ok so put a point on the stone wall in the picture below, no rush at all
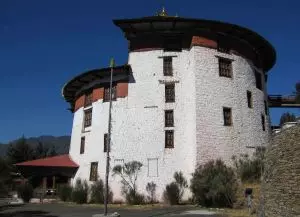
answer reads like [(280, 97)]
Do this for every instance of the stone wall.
[(281, 188)]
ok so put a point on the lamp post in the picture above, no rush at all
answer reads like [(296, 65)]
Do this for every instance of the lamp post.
[(112, 64)]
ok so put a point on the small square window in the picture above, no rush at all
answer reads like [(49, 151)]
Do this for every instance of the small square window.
[(106, 97), (88, 100), (249, 99), (153, 167), (227, 116), (82, 145), (168, 68), (169, 139), (225, 67), (88, 118), (170, 92), (94, 171), (169, 118)]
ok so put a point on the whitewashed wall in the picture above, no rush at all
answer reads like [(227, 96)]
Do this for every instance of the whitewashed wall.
[(199, 134)]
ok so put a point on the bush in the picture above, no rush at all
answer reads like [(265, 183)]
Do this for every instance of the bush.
[(151, 189), (98, 193), (250, 170), (65, 192), (25, 191), (134, 198), (80, 192), (214, 185), (174, 191)]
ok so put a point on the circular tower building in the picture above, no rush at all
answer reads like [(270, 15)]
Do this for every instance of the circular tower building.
[(193, 90)]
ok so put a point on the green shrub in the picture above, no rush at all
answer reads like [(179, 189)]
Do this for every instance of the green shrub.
[(134, 198), (25, 191), (151, 189), (80, 192), (65, 192), (175, 190), (172, 193), (98, 193), (250, 169), (214, 185)]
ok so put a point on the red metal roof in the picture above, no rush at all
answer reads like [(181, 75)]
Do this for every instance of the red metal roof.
[(56, 161)]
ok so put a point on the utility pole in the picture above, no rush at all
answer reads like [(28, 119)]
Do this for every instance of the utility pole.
[(112, 64)]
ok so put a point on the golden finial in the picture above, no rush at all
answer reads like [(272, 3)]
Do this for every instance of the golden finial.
[(163, 13)]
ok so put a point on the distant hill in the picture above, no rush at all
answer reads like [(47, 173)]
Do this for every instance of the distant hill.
[(61, 143)]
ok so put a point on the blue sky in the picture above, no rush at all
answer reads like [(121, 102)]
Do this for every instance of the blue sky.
[(45, 43)]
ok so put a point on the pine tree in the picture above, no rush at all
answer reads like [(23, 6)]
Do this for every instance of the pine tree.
[(20, 151), (287, 117)]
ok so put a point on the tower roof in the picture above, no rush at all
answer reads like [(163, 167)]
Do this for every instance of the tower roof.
[(165, 26)]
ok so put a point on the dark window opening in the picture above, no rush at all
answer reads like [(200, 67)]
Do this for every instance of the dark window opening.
[(88, 99), (107, 93), (82, 145), (225, 67), (249, 99), (105, 142), (258, 80), (169, 118), (263, 122), (94, 171), (169, 139), (168, 68), (88, 118), (227, 116), (170, 92)]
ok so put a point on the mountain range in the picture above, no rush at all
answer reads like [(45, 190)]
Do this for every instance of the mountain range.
[(61, 143)]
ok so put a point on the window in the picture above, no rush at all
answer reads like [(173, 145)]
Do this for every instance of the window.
[(168, 68), (82, 145), (152, 167), (119, 162), (263, 122), (222, 47), (225, 67), (105, 142), (266, 108), (258, 80), (227, 116), (88, 99), (88, 118), (170, 92), (94, 171), (107, 93), (249, 99), (169, 118), (169, 139)]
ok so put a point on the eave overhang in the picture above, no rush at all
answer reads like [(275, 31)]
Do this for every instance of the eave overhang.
[(165, 25)]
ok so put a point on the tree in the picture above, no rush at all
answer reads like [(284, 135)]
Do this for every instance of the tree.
[(41, 150), (52, 151), (181, 182), (129, 174), (214, 185), (21, 151), (287, 117), (5, 170)]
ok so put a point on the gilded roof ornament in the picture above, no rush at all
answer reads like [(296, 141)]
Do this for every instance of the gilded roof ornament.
[(163, 13)]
